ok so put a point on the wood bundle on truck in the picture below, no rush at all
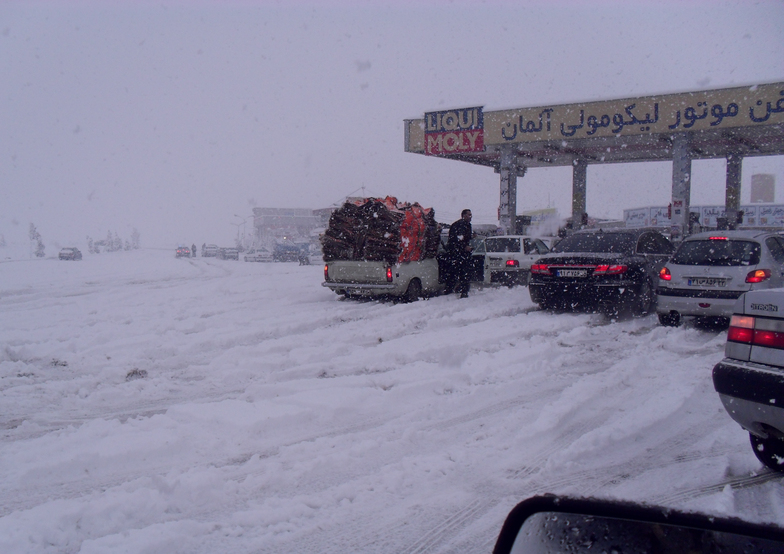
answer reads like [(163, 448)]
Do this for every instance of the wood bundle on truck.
[(381, 247)]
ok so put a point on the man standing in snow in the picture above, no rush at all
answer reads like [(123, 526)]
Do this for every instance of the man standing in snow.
[(458, 247)]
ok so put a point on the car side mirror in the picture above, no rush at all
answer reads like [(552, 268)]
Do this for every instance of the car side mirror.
[(551, 524)]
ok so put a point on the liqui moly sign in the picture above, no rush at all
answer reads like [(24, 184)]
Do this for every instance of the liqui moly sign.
[(454, 131)]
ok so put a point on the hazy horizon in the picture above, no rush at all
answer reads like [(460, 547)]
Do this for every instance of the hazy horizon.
[(178, 118)]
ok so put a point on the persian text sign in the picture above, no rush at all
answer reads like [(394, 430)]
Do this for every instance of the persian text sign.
[(665, 114), (454, 131)]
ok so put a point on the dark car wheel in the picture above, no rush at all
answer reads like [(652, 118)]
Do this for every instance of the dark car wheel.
[(414, 291), (643, 300), (769, 451), (672, 319)]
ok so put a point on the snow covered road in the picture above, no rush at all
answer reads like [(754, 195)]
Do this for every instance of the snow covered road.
[(154, 404)]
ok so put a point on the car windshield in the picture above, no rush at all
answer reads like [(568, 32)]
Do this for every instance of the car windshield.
[(502, 244), (718, 253), (597, 242)]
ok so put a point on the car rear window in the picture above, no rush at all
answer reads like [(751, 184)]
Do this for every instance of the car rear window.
[(597, 242), (502, 245), (725, 253)]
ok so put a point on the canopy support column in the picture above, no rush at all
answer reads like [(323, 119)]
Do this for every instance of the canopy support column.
[(732, 193), (681, 186), (507, 206), (579, 188)]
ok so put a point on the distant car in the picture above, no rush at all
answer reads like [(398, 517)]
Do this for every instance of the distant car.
[(70, 253), (228, 254), (508, 258), (183, 252), (709, 271), (286, 253), (750, 379), (258, 255), (611, 270), (210, 251)]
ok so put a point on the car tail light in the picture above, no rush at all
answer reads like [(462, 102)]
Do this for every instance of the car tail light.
[(741, 329), (610, 269), (326, 272), (389, 274), (512, 263), (758, 275), (718, 238), (541, 269), (665, 274), (769, 339)]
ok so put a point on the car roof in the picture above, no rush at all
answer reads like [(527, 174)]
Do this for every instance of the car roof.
[(736, 234)]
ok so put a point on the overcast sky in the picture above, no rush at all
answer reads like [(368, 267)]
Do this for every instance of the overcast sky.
[(177, 117)]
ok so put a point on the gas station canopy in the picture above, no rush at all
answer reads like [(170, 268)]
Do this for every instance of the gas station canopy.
[(728, 123), (747, 120)]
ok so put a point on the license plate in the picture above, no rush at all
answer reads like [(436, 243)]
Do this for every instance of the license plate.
[(572, 272), (707, 282)]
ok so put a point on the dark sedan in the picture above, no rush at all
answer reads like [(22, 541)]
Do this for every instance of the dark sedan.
[(609, 270)]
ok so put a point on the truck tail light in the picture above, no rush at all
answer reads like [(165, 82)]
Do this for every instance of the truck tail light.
[(610, 269), (665, 275), (512, 263), (758, 275), (326, 272), (389, 274)]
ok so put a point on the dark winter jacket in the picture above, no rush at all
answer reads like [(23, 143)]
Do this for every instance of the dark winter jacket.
[(459, 237)]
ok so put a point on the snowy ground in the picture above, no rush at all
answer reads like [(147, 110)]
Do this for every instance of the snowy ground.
[(270, 416)]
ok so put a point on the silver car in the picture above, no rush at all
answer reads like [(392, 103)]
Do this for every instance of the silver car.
[(508, 258), (750, 379), (710, 271)]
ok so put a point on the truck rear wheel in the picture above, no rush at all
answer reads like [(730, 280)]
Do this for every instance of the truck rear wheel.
[(414, 291)]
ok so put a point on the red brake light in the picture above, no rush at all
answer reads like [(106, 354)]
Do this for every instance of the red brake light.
[(741, 329), (771, 339), (758, 275), (610, 269), (718, 238), (389, 274), (756, 331), (541, 269), (665, 274), (326, 272), (512, 263)]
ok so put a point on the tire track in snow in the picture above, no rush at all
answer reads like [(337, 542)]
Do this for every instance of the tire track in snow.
[(735, 483)]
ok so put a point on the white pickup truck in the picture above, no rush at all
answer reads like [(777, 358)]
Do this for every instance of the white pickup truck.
[(407, 280)]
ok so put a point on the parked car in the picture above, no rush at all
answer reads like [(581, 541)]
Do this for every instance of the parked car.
[(70, 253), (709, 271), (210, 251), (750, 379), (508, 259), (183, 252), (611, 270), (285, 253), (259, 254), (228, 254)]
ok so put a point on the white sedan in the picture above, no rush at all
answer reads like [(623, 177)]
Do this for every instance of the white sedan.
[(258, 255)]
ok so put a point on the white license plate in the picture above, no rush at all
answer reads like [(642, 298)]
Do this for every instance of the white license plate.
[(572, 272), (707, 282)]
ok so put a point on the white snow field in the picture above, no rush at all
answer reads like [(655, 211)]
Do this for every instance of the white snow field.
[(161, 405)]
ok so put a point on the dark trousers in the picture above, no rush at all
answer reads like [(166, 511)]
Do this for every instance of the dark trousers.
[(459, 277)]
